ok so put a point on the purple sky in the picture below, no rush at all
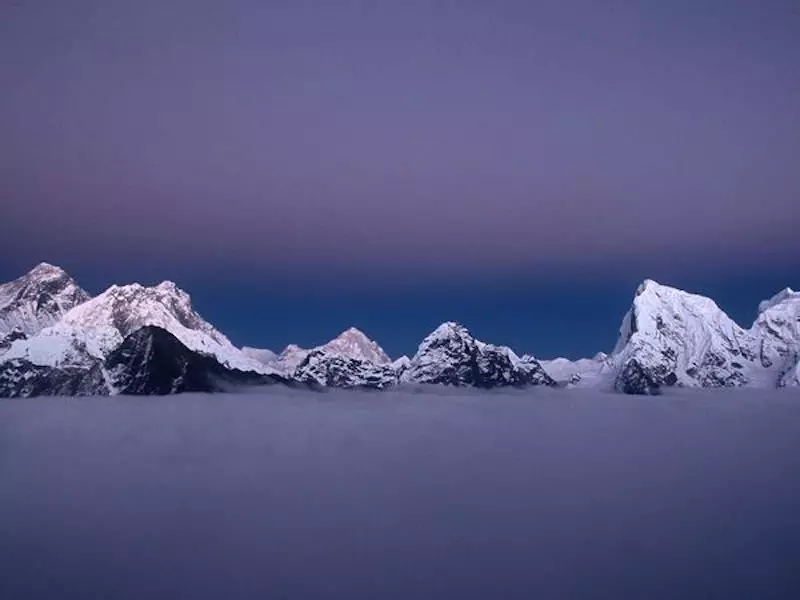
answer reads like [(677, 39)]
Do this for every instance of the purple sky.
[(393, 136)]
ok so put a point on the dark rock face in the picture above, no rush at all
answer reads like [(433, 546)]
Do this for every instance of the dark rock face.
[(11, 337), (23, 379), (495, 368), (326, 369), (451, 356), (152, 361), (634, 378)]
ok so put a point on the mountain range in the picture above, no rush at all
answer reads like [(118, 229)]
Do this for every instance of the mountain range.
[(55, 339)]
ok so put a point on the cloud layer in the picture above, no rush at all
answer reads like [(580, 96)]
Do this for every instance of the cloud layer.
[(521, 495)]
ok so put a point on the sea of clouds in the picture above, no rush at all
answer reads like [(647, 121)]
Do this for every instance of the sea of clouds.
[(286, 494)]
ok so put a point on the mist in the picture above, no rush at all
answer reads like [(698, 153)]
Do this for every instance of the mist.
[(286, 494)]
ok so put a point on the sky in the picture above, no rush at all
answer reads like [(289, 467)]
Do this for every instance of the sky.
[(300, 167)]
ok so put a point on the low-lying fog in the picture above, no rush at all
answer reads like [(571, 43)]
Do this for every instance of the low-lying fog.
[(544, 494)]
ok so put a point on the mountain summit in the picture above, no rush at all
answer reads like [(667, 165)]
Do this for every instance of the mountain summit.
[(135, 339), (351, 344), (37, 300), (450, 355), (673, 338), (93, 329)]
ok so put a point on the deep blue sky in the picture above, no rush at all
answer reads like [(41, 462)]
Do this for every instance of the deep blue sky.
[(303, 166), (547, 313)]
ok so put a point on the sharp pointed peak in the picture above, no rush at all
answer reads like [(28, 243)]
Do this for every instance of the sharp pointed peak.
[(450, 327), (46, 265), (44, 269), (650, 285), (355, 343), (352, 332)]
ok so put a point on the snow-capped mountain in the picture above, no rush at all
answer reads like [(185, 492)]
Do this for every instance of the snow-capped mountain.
[(350, 360), (671, 337), (330, 369), (777, 328), (584, 372), (289, 359), (450, 355), (152, 361), (37, 300), (149, 361), (400, 365), (20, 378), (93, 329), (351, 343), (133, 339)]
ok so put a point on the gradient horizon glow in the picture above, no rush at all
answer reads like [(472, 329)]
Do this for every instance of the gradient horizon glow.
[(390, 165)]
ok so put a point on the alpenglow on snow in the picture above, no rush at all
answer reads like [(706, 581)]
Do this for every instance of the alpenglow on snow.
[(133, 339)]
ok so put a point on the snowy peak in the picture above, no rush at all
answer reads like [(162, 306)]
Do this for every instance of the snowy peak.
[(656, 306), (130, 307), (448, 330), (450, 355), (353, 343), (672, 337), (289, 359), (45, 270), (38, 299), (93, 329), (778, 329)]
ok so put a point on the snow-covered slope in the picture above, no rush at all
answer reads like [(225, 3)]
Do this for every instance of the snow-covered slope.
[(290, 358), (777, 328), (9, 338), (351, 343), (55, 339), (21, 378), (671, 337), (262, 355), (584, 372), (400, 365), (93, 329), (450, 355), (152, 361), (149, 361), (37, 300), (330, 369)]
